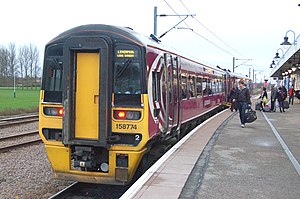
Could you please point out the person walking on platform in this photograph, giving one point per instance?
(243, 101)
(232, 97)
(280, 97)
(264, 98)
(273, 98)
(291, 92)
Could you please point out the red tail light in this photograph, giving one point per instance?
(60, 111)
(121, 114)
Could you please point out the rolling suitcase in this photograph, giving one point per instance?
(286, 104)
(257, 106)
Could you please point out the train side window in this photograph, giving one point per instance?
(192, 86)
(183, 87)
(214, 86)
(209, 85)
(199, 86)
(204, 89)
(206, 86)
(221, 87)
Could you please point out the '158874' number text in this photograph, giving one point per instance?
(126, 126)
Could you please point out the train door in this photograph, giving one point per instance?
(87, 95)
(171, 92)
(86, 92)
(176, 93)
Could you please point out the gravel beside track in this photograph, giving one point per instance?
(26, 172)
(16, 129)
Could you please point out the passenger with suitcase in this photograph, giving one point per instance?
(264, 98)
(273, 98)
(243, 101)
(280, 98)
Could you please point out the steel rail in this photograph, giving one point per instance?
(18, 145)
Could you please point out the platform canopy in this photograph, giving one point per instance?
(290, 59)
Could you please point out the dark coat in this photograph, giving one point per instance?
(280, 96)
(243, 95)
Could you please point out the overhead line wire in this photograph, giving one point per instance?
(198, 34)
(211, 31)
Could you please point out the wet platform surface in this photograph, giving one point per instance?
(222, 160)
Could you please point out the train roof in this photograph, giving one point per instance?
(120, 33)
(97, 29)
(239, 75)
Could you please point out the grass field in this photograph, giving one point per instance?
(25, 101)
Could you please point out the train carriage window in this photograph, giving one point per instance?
(209, 84)
(53, 72)
(217, 86)
(214, 86)
(199, 86)
(206, 86)
(221, 87)
(183, 87)
(192, 86)
(127, 75)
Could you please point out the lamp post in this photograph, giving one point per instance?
(235, 59)
(277, 57)
(286, 42)
(165, 15)
(14, 84)
(272, 64)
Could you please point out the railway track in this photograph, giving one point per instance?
(5, 122)
(19, 140)
(87, 190)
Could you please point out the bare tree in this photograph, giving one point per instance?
(12, 62)
(4, 66)
(33, 64)
(23, 63)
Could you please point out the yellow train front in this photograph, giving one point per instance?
(93, 104)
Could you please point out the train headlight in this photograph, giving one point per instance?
(53, 111)
(104, 167)
(127, 115)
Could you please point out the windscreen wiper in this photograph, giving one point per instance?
(123, 67)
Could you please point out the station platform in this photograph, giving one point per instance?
(219, 159)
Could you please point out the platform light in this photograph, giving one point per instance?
(286, 72)
(285, 39)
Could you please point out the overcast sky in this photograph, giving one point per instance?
(222, 29)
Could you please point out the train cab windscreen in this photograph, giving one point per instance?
(53, 70)
(127, 76)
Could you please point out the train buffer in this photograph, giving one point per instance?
(220, 159)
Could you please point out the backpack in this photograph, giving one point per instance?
(281, 93)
